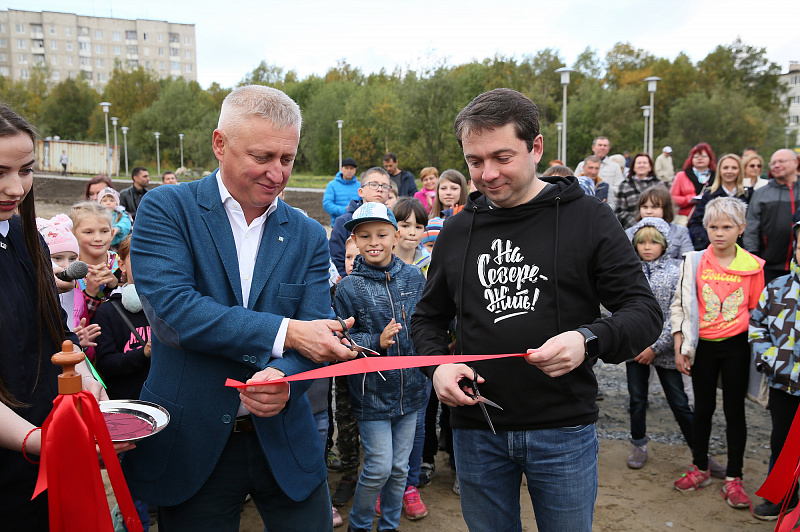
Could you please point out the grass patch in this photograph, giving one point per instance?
(309, 181)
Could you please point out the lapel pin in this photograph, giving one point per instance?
(3, 245)
(280, 239)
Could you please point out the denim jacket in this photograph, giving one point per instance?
(374, 297)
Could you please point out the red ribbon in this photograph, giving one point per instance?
(782, 480)
(371, 364)
(70, 471)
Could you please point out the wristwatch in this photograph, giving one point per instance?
(591, 347)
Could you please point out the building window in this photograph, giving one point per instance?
(69, 60)
(83, 31)
(793, 120)
(145, 36)
(54, 45)
(22, 59)
(68, 33)
(175, 37)
(2, 28)
(3, 43)
(20, 28)
(794, 99)
(161, 52)
(118, 50)
(71, 74)
(187, 40)
(160, 37)
(52, 30)
(133, 50)
(117, 36)
(173, 52)
(130, 35)
(23, 73)
(69, 46)
(22, 44)
(147, 65)
(99, 49)
(55, 74)
(174, 65)
(146, 51)
(133, 63)
(101, 77)
(36, 28)
(188, 68)
(3, 56)
(98, 34)
(85, 61)
(83, 46)
(795, 80)
(38, 59)
(86, 75)
(187, 54)
(161, 65)
(4, 71)
(37, 44)
(101, 63)
(53, 59)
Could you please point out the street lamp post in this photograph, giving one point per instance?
(105, 106)
(125, 141)
(646, 113)
(558, 153)
(652, 81)
(788, 131)
(158, 154)
(340, 123)
(180, 136)
(114, 120)
(564, 71)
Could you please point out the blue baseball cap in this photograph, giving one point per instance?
(371, 212)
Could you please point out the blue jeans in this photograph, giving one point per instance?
(672, 383)
(387, 446)
(241, 469)
(415, 460)
(560, 465)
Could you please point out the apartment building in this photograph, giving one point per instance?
(73, 46)
(792, 81)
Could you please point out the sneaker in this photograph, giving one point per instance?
(426, 472)
(333, 462)
(638, 457)
(693, 479)
(413, 506)
(769, 511)
(337, 519)
(378, 506)
(344, 492)
(716, 469)
(733, 492)
(456, 487)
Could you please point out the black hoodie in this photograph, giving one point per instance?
(513, 278)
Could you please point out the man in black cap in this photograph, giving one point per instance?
(342, 190)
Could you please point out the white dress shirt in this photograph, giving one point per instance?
(247, 239)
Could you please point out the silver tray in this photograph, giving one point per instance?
(154, 416)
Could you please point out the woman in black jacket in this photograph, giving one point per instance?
(727, 182)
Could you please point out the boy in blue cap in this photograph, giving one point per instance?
(382, 293)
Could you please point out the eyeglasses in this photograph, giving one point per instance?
(374, 185)
(754, 166)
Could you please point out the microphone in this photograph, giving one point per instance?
(76, 270)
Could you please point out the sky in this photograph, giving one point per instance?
(311, 36)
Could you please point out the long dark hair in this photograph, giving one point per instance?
(47, 305)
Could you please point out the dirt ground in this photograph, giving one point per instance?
(628, 500)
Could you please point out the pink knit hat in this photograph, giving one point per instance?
(57, 232)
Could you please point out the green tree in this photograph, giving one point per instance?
(68, 108)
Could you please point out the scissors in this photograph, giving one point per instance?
(362, 351)
(482, 401)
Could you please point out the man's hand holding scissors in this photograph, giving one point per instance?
(445, 382)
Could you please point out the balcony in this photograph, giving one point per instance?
(37, 34)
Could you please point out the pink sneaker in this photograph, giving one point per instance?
(413, 505)
(693, 479)
(733, 492)
(337, 519)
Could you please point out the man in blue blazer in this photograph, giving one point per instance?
(235, 284)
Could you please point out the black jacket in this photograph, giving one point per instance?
(406, 185)
(119, 356)
(130, 199)
(696, 228)
(512, 279)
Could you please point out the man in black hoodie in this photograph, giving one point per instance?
(530, 262)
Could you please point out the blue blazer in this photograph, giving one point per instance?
(187, 275)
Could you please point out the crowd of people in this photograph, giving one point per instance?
(688, 277)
